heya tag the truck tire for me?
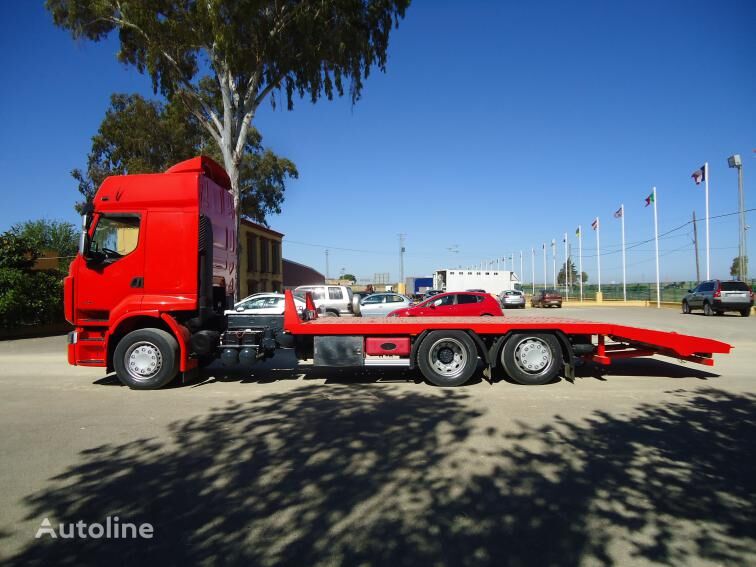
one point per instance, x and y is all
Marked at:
(708, 311)
(146, 359)
(447, 358)
(531, 359)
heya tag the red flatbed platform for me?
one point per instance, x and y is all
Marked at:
(644, 342)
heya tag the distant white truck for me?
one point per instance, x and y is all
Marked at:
(458, 279)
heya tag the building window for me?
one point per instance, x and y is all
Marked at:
(265, 255)
(252, 253)
(276, 257)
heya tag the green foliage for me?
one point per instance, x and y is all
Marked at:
(735, 266)
(17, 252)
(145, 136)
(350, 277)
(572, 272)
(30, 298)
(43, 234)
(27, 297)
(303, 46)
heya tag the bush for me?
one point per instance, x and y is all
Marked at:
(30, 298)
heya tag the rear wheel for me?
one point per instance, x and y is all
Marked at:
(146, 359)
(531, 358)
(686, 307)
(447, 358)
(745, 312)
(331, 313)
(720, 313)
(708, 311)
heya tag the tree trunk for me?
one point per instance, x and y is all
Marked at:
(233, 172)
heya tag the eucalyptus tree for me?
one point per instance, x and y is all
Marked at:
(251, 49)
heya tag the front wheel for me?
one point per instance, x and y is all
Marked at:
(686, 307)
(146, 359)
(531, 358)
(447, 358)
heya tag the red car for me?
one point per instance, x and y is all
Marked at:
(453, 304)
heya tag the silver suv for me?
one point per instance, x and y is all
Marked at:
(715, 296)
(336, 300)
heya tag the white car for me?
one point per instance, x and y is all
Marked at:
(381, 304)
(264, 304)
(512, 298)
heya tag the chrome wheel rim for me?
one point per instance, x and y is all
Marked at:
(448, 357)
(143, 360)
(533, 356)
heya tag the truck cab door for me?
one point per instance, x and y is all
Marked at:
(110, 279)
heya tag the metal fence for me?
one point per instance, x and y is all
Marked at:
(669, 291)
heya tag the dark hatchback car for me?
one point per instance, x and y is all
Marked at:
(546, 298)
(716, 297)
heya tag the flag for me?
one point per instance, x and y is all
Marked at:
(649, 199)
(595, 223)
(618, 213)
(699, 174)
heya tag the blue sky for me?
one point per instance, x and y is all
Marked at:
(497, 127)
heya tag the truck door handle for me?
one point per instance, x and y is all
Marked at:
(137, 281)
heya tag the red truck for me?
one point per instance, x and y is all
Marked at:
(155, 271)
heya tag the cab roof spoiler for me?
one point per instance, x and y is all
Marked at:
(205, 166)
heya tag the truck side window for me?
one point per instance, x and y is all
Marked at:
(115, 237)
(335, 293)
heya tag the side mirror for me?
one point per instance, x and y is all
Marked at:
(432, 305)
(690, 291)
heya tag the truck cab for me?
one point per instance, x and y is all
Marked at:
(155, 270)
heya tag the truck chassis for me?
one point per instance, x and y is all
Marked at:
(446, 350)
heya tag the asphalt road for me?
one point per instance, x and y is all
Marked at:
(652, 462)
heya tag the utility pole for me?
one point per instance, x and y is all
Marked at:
(695, 245)
(553, 261)
(328, 275)
(736, 162)
(401, 258)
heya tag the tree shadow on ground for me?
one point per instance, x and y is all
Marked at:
(374, 476)
(643, 367)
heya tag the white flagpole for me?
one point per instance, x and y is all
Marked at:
(598, 252)
(532, 268)
(545, 276)
(656, 241)
(624, 278)
(580, 260)
(706, 182)
(566, 282)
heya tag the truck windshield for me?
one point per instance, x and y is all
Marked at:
(114, 237)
